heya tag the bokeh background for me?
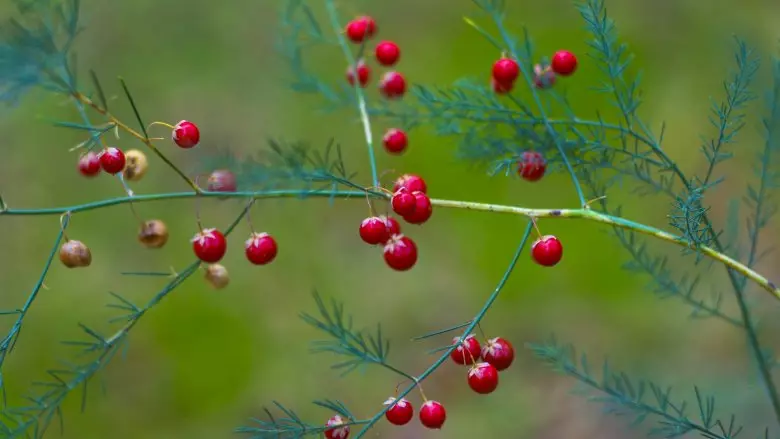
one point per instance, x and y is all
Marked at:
(204, 361)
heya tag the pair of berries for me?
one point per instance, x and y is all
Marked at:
(400, 251)
(432, 415)
(506, 71)
(111, 160)
(486, 361)
(210, 246)
(392, 85)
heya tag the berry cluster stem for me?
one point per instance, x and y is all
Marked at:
(359, 95)
(118, 123)
(733, 265)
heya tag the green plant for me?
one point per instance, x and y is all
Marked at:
(496, 124)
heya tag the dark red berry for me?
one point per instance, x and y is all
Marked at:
(363, 74)
(400, 253)
(432, 414)
(378, 229)
(547, 251)
(360, 29)
(338, 430)
(260, 248)
(222, 180)
(392, 85)
(403, 202)
(209, 245)
(531, 166)
(400, 412)
(505, 71)
(483, 378)
(112, 160)
(89, 164)
(467, 352)
(422, 209)
(387, 53)
(499, 353)
(395, 141)
(563, 63)
(501, 88)
(411, 183)
(186, 134)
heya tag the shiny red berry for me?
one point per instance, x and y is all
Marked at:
(563, 63)
(338, 430)
(222, 180)
(387, 53)
(505, 71)
(411, 183)
(363, 74)
(112, 160)
(432, 414)
(483, 378)
(531, 166)
(547, 251)
(209, 245)
(400, 412)
(392, 85)
(501, 88)
(403, 202)
(499, 353)
(89, 164)
(422, 209)
(467, 352)
(186, 134)
(260, 248)
(395, 141)
(378, 229)
(400, 253)
(360, 29)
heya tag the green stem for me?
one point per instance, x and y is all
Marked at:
(488, 303)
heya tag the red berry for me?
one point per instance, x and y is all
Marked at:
(411, 183)
(260, 248)
(483, 378)
(395, 141)
(222, 180)
(532, 166)
(467, 352)
(547, 251)
(186, 134)
(501, 88)
(112, 160)
(363, 73)
(403, 202)
(387, 53)
(401, 411)
(378, 229)
(499, 353)
(209, 245)
(400, 253)
(360, 29)
(89, 164)
(337, 432)
(505, 71)
(563, 63)
(422, 209)
(392, 85)
(432, 414)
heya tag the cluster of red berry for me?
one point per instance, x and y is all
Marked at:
(410, 201)
(209, 245)
(486, 362)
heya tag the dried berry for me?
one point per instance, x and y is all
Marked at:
(136, 166)
(153, 234)
(217, 276)
(75, 254)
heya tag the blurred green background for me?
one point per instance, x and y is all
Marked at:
(203, 361)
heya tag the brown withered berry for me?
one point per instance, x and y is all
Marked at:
(222, 180)
(153, 234)
(75, 254)
(217, 275)
(136, 166)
